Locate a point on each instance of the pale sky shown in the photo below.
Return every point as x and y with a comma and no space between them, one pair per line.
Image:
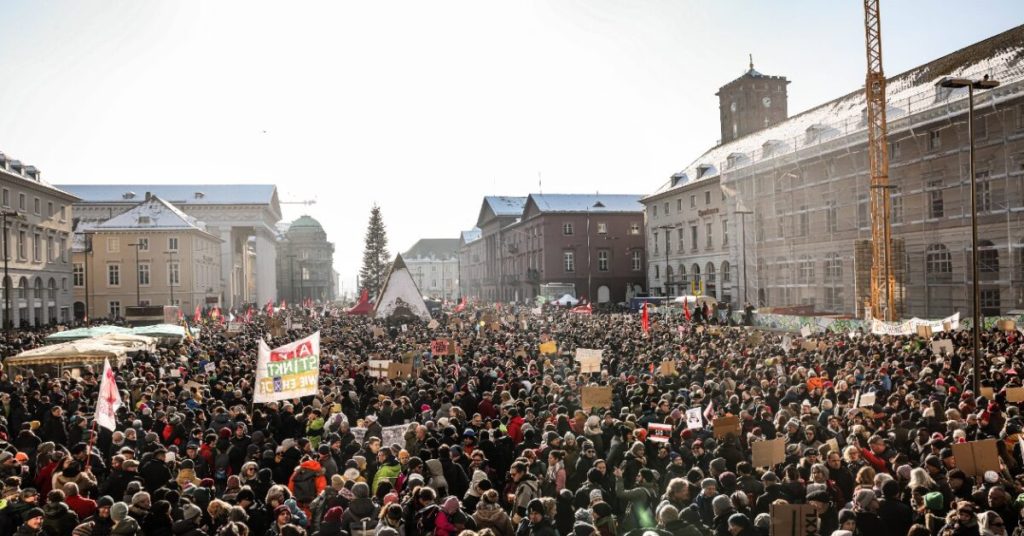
422,106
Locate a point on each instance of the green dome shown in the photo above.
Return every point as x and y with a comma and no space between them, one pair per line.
306,222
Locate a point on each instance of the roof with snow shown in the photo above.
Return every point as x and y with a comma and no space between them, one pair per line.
593,203
500,207
153,214
471,235
433,248
178,194
911,92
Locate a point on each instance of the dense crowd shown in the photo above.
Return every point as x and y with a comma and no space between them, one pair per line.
495,441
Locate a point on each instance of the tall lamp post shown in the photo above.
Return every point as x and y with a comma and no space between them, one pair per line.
7,280
291,273
668,232
138,295
743,245
170,280
971,85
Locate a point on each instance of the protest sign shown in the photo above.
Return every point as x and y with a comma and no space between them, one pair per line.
379,368
433,324
808,346
668,367
399,370
659,433
1015,394
597,397
976,457
924,331
943,347
724,426
805,331
589,360
769,453
548,348
693,419
377,332
989,393
866,400
440,347
793,520
289,371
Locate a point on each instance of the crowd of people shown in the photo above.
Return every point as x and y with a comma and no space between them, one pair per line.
494,439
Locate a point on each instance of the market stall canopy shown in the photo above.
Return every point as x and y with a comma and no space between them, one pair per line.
85,333
566,300
164,331
84,352
131,342
690,300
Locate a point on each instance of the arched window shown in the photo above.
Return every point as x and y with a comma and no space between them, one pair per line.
710,287
23,288
805,270
988,258
695,280
938,263
53,289
709,271
833,268
668,273
726,275
682,275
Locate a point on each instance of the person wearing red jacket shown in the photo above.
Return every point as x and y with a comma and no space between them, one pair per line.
83,506
515,426
876,454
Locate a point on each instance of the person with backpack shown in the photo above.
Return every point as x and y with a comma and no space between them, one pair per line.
307,482
361,514
421,512
527,488
640,500
392,518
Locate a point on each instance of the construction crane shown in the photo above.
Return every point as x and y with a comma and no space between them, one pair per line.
307,202
883,278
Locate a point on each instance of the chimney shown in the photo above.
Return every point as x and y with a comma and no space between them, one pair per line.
149,195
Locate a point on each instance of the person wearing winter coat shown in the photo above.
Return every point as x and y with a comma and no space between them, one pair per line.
154,471
641,500
444,525
490,515
360,508
32,523
392,518
58,519
388,469
307,482
536,523
190,523
527,488
98,524
124,524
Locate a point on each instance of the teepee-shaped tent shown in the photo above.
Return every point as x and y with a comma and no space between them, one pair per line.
399,296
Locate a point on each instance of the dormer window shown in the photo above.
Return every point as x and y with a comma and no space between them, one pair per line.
128,195
678,178
770,148
705,170
814,133
734,159
199,195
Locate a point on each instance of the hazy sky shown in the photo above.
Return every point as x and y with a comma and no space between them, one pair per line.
421,106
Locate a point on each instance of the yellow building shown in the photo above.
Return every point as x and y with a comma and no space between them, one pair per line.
152,254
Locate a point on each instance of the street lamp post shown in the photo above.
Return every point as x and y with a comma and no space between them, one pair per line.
743,245
668,232
170,280
971,85
138,295
7,280
291,273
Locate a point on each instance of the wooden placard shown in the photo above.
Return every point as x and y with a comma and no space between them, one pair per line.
924,331
440,347
793,520
377,331
988,392
1007,324
399,370
379,368
769,453
1015,394
976,457
667,368
942,347
808,346
724,426
596,397
432,324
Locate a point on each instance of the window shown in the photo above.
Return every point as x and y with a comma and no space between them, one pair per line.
144,274
567,229
51,253
63,212
680,245
833,268
654,208
49,209
634,228
934,140
805,220
990,303
63,250
143,244
759,227
693,237
725,232
938,263
113,275
63,283
894,150
981,127
707,197
679,204
7,197
21,245
693,201
78,274
173,274
1020,117
666,208
831,216
833,298
602,260
862,211
988,258
984,191
602,228
896,205
113,244
637,260
37,206
21,201
726,272
707,229
172,243
37,244
569,261
655,248
805,271
115,309
935,206
657,271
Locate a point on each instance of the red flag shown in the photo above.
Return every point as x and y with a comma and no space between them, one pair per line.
198,316
181,315
461,306
645,320
284,304
248,315
686,310
270,307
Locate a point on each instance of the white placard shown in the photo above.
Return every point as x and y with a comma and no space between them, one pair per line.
805,331
694,420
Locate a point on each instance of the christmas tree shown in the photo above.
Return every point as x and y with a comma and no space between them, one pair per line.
376,258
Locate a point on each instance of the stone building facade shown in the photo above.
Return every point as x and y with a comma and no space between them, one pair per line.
305,263
433,264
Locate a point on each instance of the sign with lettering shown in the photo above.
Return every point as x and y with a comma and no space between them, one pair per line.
548,348
943,347
659,433
589,360
724,426
440,347
289,371
399,370
379,368
597,397
694,421
793,520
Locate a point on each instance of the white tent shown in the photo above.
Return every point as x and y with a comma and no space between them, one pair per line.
399,295
566,300
690,300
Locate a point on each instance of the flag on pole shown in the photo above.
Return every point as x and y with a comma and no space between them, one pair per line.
248,315
686,310
270,308
109,399
198,316
461,306
645,320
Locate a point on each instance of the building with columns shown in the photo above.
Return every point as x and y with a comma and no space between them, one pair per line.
305,262
242,216
151,254
38,241
434,264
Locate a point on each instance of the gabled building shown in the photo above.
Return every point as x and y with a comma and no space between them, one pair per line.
150,254
434,264
471,264
496,213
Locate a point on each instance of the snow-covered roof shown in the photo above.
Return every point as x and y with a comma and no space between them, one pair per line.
152,214
471,235
433,248
504,205
912,92
586,202
192,194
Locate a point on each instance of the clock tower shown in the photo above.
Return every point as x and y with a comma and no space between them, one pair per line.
750,103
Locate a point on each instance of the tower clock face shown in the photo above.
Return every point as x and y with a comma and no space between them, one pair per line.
732,106
767,101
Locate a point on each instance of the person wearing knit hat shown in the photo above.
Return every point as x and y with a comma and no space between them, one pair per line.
740,525
118,512
604,520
